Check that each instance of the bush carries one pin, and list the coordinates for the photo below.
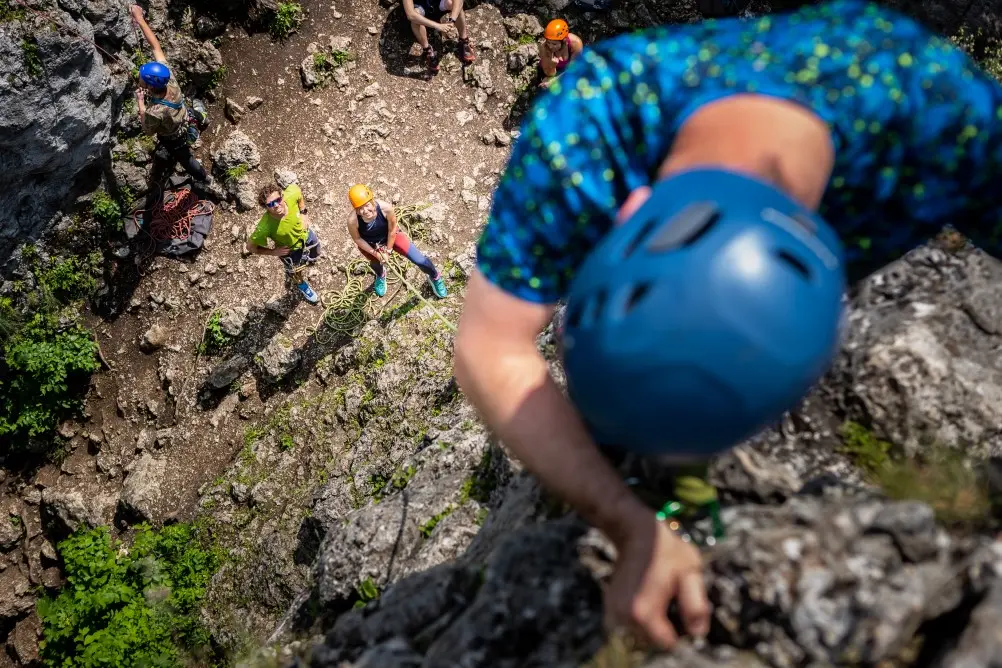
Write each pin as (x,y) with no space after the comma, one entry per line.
(286,20)
(238,172)
(72,278)
(135,607)
(213,337)
(45,362)
(106,210)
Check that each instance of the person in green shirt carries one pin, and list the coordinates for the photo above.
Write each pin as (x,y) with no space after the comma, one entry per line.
(286,223)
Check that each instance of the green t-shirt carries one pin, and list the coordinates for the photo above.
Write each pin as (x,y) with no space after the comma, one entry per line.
(287,232)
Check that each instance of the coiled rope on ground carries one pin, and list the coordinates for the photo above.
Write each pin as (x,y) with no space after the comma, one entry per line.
(347,309)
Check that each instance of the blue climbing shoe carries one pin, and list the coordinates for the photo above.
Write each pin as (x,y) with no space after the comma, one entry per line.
(379,286)
(308,292)
(438,285)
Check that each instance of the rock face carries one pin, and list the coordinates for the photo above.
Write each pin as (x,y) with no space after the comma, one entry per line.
(57,98)
(818,580)
(901,371)
(278,359)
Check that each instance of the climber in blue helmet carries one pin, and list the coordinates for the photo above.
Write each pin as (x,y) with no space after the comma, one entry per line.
(754,135)
(167,115)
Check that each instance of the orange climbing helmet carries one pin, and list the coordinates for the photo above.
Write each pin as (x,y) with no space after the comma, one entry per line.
(359,194)
(556,30)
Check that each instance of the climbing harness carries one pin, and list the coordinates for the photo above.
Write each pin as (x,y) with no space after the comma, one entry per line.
(348,308)
(695,515)
(295,271)
(674,511)
(191,129)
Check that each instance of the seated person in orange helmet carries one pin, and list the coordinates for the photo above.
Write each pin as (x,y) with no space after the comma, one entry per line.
(559,47)
(373,227)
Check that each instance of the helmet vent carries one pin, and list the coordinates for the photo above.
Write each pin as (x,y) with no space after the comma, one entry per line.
(807,222)
(637,293)
(597,306)
(795,263)
(574,317)
(639,237)
(686,227)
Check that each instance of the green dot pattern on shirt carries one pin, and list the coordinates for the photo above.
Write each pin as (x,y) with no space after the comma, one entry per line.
(916,127)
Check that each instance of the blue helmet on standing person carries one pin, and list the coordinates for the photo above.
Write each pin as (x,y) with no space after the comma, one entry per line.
(154,74)
(704,317)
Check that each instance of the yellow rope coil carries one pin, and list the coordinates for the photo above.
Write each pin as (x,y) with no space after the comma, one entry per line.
(347,309)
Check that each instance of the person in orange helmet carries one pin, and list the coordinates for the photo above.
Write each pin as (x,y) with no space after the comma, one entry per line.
(373,227)
(559,47)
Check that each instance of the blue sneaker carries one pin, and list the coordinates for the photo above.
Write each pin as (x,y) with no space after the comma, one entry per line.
(308,292)
(438,285)
(379,285)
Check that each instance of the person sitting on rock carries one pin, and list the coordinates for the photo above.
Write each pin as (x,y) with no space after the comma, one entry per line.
(373,227)
(559,47)
(287,224)
(441,15)
(167,116)
(853,111)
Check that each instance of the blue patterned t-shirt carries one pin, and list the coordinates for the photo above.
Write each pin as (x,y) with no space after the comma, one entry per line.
(915,124)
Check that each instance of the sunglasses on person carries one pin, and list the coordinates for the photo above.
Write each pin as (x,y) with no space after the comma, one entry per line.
(273,203)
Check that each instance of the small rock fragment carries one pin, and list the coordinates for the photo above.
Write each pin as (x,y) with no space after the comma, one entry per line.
(154,339)
(233,111)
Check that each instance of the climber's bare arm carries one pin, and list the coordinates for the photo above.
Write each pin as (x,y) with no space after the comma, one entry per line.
(137,15)
(501,371)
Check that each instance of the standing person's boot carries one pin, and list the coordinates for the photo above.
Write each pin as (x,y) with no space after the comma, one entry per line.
(379,286)
(465,51)
(308,292)
(438,285)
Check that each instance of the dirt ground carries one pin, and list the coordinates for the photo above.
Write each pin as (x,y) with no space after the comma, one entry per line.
(424,159)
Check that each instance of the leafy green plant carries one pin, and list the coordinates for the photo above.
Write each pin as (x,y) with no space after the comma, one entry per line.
(868,452)
(325,62)
(483,481)
(214,338)
(8,12)
(138,60)
(217,78)
(71,278)
(430,525)
(32,61)
(128,607)
(367,591)
(940,476)
(106,210)
(234,173)
(287,19)
(46,363)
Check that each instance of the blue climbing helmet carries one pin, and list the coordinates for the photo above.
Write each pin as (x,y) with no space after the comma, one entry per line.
(704,317)
(154,74)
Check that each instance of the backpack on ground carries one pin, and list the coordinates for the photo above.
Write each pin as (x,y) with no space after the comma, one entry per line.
(180,222)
